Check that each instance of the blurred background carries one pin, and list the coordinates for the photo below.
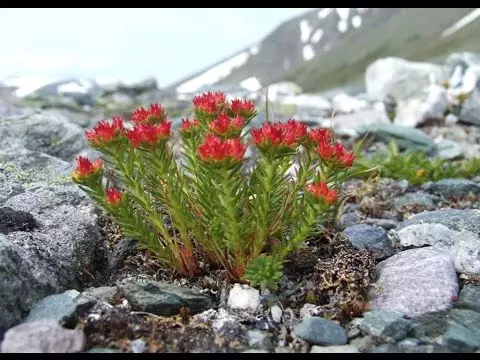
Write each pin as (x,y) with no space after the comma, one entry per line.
(314,61)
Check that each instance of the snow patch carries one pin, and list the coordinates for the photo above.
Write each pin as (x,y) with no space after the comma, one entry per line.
(251,84)
(305,31)
(215,74)
(255,49)
(72,87)
(327,47)
(343,13)
(362,10)
(322,14)
(317,35)
(356,21)
(308,52)
(27,84)
(342,26)
(462,22)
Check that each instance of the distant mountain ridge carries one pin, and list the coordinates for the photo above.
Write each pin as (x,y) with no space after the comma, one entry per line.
(330,47)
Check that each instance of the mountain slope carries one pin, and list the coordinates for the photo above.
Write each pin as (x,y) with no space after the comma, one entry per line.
(331,47)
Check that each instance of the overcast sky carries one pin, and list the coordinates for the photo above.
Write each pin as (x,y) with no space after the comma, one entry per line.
(127,44)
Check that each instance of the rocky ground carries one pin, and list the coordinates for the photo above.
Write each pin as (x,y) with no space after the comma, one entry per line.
(398,272)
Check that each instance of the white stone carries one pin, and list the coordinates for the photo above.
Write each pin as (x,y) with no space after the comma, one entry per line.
(356,21)
(276,313)
(463,246)
(243,297)
(308,52)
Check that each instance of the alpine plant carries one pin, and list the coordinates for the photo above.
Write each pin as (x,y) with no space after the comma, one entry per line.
(221,214)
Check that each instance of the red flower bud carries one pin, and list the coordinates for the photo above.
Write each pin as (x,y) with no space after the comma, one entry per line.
(224,125)
(215,150)
(335,153)
(243,107)
(279,134)
(85,168)
(320,190)
(320,135)
(114,197)
(104,133)
(209,103)
(148,134)
(155,115)
(188,125)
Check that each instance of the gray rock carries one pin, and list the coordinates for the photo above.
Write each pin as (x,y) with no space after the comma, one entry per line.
(47,131)
(470,109)
(121,251)
(419,198)
(386,349)
(458,220)
(60,307)
(51,258)
(462,246)
(449,150)
(42,336)
(405,137)
(435,105)
(346,349)
(163,299)
(386,224)
(11,220)
(102,293)
(320,331)
(469,297)
(463,60)
(260,340)
(429,326)
(386,324)
(408,82)
(21,169)
(351,124)
(372,238)
(415,282)
(463,331)
(348,219)
(364,344)
(138,346)
(452,187)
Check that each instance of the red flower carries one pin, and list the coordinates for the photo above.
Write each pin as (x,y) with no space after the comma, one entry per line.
(268,134)
(243,107)
(114,197)
(294,131)
(320,135)
(335,153)
(224,125)
(321,190)
(85,168)
(188,125)
(148,134)
(209,102)
(155,115)
(104,133)
(215,150)
(274,134)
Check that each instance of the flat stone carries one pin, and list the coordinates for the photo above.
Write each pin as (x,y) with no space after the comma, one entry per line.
(469,298)
(372,238)
(415,282)
(42,336)
(387,324)
(60,307)
(452,188)
(163,299)
(320,331)
(463,331)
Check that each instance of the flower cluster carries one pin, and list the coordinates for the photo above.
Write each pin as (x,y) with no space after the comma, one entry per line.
(271,136)
(217,150)
(105,133)
(148,135)
(86,169)
(221,213)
